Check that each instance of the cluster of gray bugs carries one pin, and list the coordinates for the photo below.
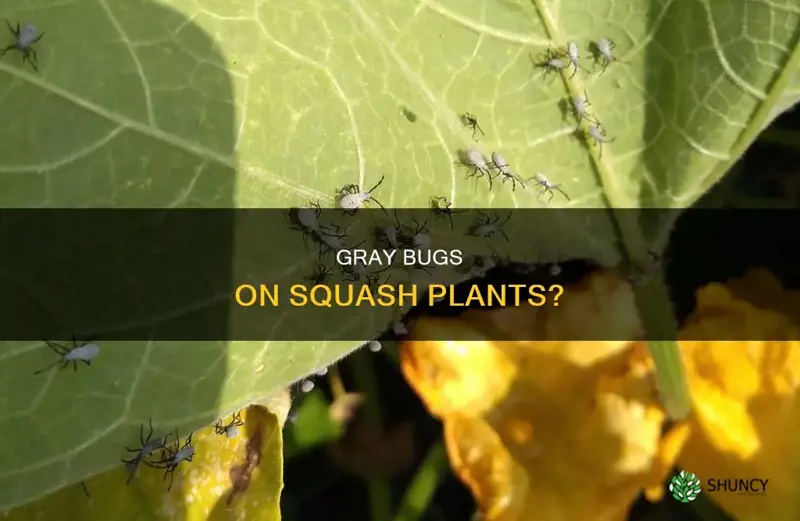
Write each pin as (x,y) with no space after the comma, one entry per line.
(152,452)
(481,166)
(558,60)
(24,38)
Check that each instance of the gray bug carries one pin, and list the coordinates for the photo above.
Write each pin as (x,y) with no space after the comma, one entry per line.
(85,352)
(500,163)
(358,271)
(390,235)
(579,105)
(171,458)
(598,135)
(442,208)
(333,242)
(550,62)
(472,122)
(230,429)
(148,446)
(602,51)
(24,38)
(352,198)
(416,237)
(477,161)
(320,275)
(374,346)
(306,386)
(573,55)
(306,220)
(486,226)
(547,186)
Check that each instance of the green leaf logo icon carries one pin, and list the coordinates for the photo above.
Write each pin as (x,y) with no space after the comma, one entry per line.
(685,487)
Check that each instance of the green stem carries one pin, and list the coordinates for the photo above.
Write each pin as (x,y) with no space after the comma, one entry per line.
(380,493)
(427,479)
(658,319)
(652,300)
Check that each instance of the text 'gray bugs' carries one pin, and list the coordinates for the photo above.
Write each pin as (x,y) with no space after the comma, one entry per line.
(85,353)
(548,186)
(352,198)
(24,38)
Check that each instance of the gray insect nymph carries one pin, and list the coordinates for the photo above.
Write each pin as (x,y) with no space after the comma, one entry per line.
(417,236)
(500,163)
(85,353)
(147,447)
(477,161)
(24,38)
(551,61)
(598,135)
(486,226)
(230,429)
(573,57)
(548,186)
(352,198)
(602,51)
(579,104)
(170,459)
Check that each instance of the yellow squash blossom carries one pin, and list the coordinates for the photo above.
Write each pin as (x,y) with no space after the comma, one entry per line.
(548,430)
(745,394)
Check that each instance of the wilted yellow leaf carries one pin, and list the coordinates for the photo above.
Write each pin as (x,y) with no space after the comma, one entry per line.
(745,395)
(548,430)
(229,478)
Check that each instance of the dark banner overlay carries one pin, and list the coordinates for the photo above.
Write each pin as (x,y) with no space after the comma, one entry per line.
(310,274)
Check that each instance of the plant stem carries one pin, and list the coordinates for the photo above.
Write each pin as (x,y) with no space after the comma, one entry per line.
(658,319)
(380,493)
(420,492)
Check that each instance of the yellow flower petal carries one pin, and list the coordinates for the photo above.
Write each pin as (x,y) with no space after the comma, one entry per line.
(547,430)
(745,396)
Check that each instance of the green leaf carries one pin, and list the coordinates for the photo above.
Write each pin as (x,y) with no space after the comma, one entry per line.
(140,103)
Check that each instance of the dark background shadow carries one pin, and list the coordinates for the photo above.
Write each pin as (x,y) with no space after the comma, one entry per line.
(132,107)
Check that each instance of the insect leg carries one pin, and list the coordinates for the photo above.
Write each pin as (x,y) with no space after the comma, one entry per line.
(37,39)
(85,490)
(562,193)
(379,204)
(40,371)
(503,234)
(574,70)
(6,50)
